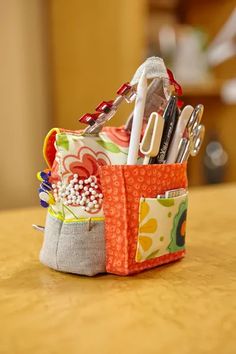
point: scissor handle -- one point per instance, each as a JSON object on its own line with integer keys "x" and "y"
{"x": 195, "y": 118}
{"x": 198, "y": 136}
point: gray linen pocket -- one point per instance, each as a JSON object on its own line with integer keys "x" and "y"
{"x": 72, "y": 248}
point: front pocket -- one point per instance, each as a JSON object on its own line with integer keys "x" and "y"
{"x": 162, "y": 226}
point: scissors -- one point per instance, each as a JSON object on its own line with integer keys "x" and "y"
{"x": 191, "y": 142}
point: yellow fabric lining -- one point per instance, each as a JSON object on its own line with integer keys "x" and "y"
{"x": 60, "y": 217}
{"x": 57, "y": 130}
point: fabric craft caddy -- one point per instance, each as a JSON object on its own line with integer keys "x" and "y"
{"x": 104, "y": 215}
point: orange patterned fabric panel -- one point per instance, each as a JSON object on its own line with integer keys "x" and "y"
{"x": 123, "y": 186}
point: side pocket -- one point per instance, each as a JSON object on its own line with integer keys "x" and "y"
{"x": 73, "y": 248}
{"x": 162, "y": 227}
{"x": 80, "y": 250}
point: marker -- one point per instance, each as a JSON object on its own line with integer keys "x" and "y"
{"x": 170, "y": 117}
{"x": 137, "y": 120}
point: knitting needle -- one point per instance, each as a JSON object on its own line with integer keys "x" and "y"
{"x": 137, "y": 120}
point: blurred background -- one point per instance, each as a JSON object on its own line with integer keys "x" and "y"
{"x": 60, "y": 58}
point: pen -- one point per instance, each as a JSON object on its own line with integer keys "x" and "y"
{"x": 178, "y": 134}
{"x": 137, "y": 120}
{"x": 170, "y": 118}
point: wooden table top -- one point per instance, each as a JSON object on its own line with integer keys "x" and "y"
{"x": 185, "y": 307}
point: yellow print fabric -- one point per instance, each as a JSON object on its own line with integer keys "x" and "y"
{"x": 162, "y": 226}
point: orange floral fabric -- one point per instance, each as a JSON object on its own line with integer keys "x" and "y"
{"x": 122, "y": 187}
{"x": 118, "y": 135}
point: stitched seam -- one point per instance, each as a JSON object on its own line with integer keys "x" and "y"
{"x": 126, "y": 224}
{"x": 56, "y": 253}
{"x": 58, "y": 153}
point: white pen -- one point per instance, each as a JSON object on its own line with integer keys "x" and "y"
{"x": 178, "y": 134}
{"x": 137, "y": 120}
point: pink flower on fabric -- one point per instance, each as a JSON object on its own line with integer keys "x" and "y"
{"x": 85, "y": 164}
{"x": 121, "y": 137}
{"x": 118, "y": 136}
